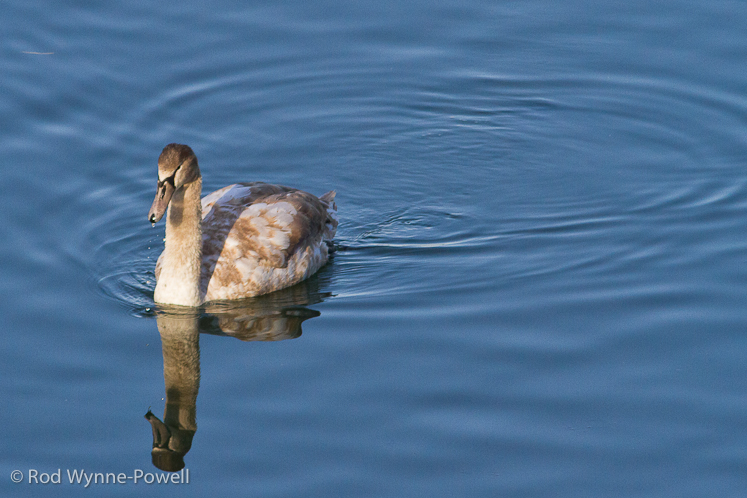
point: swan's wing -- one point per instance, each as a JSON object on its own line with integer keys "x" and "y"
{"x": 259, "y": 237}
{"x": 273, "y": 228}
{"x": 262, "y": 222}
{"x": 234, "y": 198}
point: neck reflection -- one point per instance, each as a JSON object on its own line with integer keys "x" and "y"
{"x": 275, "y": 317}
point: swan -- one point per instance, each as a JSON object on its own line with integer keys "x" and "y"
{"x": 240, "y": 241}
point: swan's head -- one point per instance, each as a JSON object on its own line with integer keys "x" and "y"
{"x": 177, "y": 167}
{"x": 170, "y": 444}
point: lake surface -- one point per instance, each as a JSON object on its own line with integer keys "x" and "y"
{"x": 539, "y": 287}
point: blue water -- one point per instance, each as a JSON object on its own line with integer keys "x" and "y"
{"x": 539, "y": 282}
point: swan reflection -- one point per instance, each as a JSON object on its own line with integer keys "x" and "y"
{"x": 273, "y": 317}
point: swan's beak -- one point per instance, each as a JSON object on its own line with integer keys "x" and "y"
{"x": 161, "y": 433}
{"x": 161, "y": 202}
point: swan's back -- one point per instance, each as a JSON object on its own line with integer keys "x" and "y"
{"x": 257, "y": 238}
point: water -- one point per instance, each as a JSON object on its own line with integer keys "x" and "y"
{"x": 538, "y": 288}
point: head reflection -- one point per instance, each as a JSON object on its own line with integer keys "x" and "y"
{"x": 274, "y": 317}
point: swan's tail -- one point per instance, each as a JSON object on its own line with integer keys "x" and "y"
{"x": 330, "y": 225}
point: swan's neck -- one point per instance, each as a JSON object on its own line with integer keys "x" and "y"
{"x": 179, "y": 281}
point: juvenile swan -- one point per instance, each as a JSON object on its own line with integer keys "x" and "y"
{"x": 243, "y": 240}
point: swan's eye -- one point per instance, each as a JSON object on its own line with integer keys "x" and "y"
{"x": 168, "y": 180}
